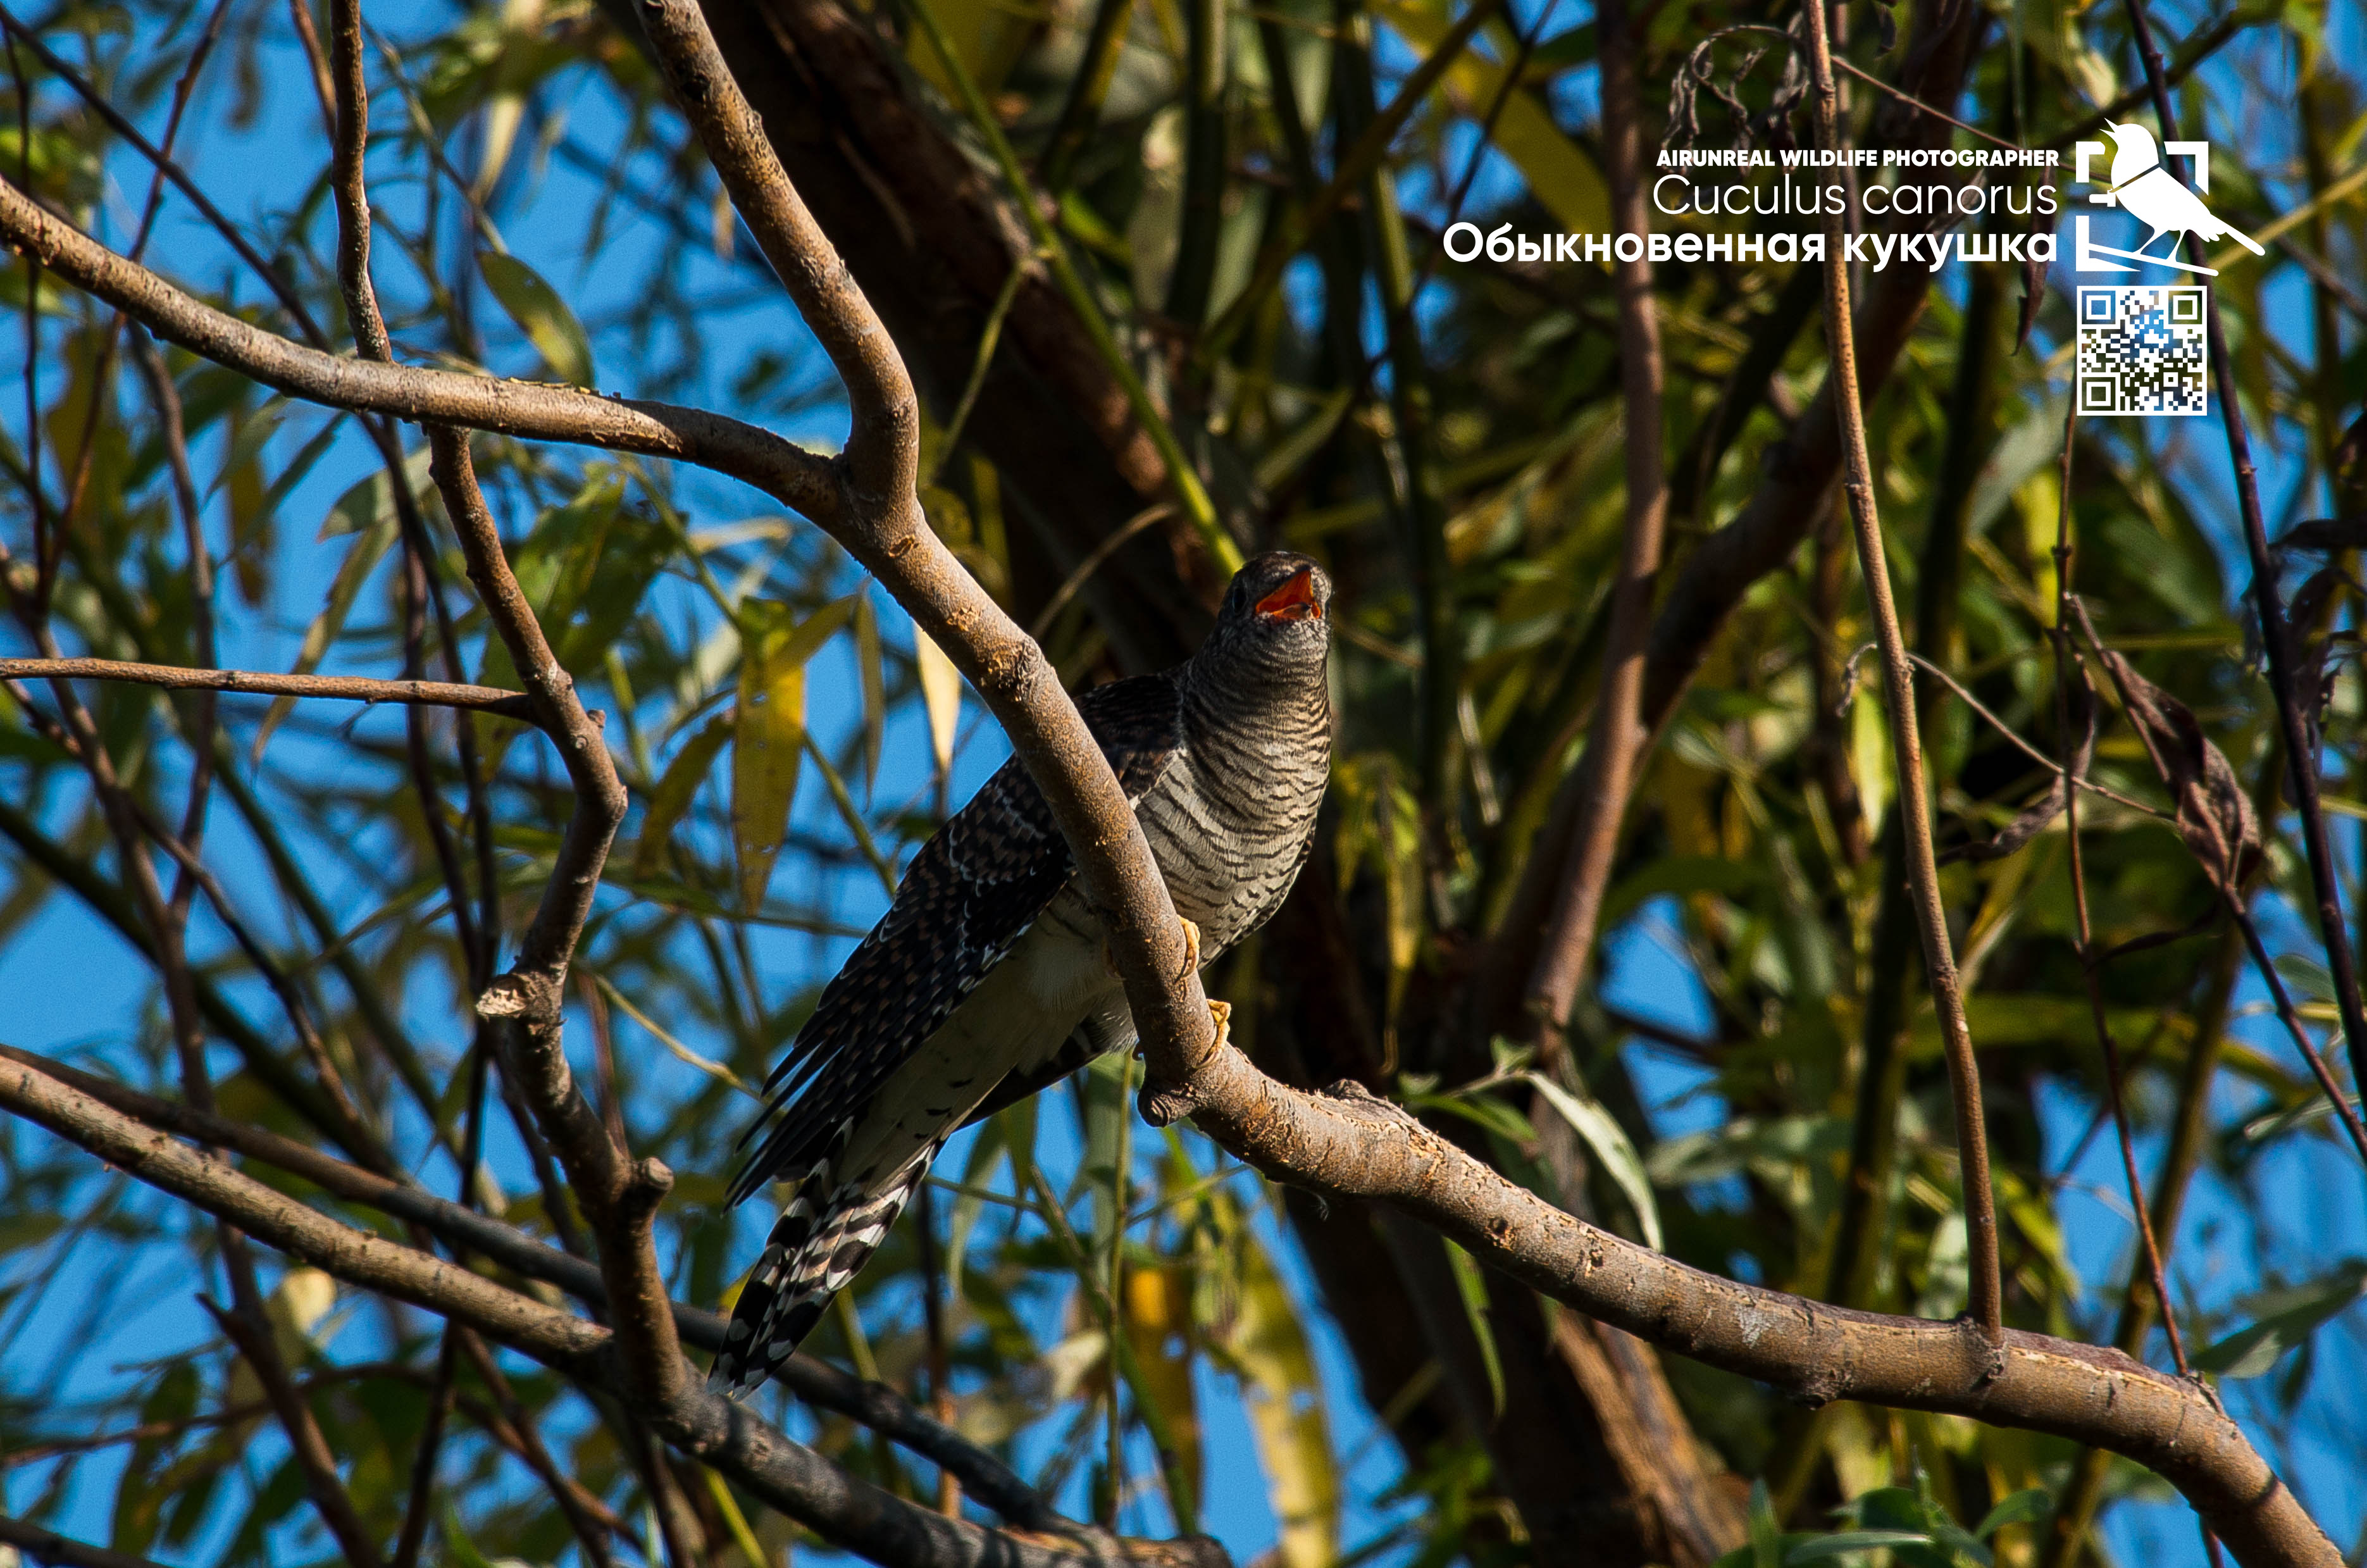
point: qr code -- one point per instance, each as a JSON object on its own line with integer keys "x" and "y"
{"x": 2141, "y": 349}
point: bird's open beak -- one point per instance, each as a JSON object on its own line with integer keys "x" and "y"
{"x": 1294, "y": 600}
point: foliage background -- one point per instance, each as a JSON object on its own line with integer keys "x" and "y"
{"x": 1734, "y": 979}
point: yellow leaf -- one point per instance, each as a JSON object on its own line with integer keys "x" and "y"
{"x": 941, "y": 692}
{"x": 1158, "y": 1328}
{"x": 672, "y": 798}
{"x": 1269, "y": 1348}
{"x": 769, "y": 728}
{"x": 1564, "y": 179}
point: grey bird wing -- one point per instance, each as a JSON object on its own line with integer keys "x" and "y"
{"x": 971, "y": 893}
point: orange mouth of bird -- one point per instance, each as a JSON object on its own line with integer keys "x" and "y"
{"x": 1294, "y": 600}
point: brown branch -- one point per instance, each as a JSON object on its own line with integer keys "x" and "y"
{"x": 262, "y": 683}
{"x": 816, "y": 1382}
{"x": 1343, "y": 1143}
{"x": 619, "y": 1195}
{"x": 249, "y": 1331}
{"x": 792, "y": 476}
{"x": 1899, "y": 677}
{"x": 1617, "y": 744}
{"x": 844, "y": 1510}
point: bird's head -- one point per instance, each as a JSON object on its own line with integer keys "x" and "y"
{"x": 1277, "y": 613}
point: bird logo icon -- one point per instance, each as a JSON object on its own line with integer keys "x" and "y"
{"x": 2153, "y": 195}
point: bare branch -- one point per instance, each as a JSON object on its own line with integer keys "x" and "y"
{"x": 847, "y": 1511}
{"x": 343, "y": 688}
{"x": 815, "y": 1381}
{"x": 791, "y": 475}
{"x": 1620, "y": 735}
{"x": 1898, "y": 675}
{"x": 48, "y": 1546}
{"x": 1343, "y": 1143}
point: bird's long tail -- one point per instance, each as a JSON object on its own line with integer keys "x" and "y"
{"x": 821, "y": 1241}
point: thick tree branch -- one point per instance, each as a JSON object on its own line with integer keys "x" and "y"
{"x": 1345, "y": 1142}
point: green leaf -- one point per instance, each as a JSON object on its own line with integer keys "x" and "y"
{"x": 940, "y": 693}
{"x": 984, "y": 1155}
{"x": 370, "y": 503}
{"x": 1472, "y": 1286}
{"x": 2026, "y": 1507}
{"x": 247, "y": 446}
{"x": 541, "y": 315}
{"x": 463, "y": 1551}
{"x": 1841, "y": 1545}
{"x": 1269, "y": 1349}
{"x": 2283, "y": 1319}
{"x": 1609, "y": 1141}
{"x": 1766, "y": 1531}
{"x": 675, "y": 790}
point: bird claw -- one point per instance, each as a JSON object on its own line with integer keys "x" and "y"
{"x": 1220, "y": 1013}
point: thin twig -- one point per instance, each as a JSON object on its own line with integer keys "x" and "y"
{"x": 2091, "y": 963}
{"x": 1939, "y": 958}
{"x": 343, "y": 688}
{"x": 2015, "y": 738}
{"x": 2276, "y": 633}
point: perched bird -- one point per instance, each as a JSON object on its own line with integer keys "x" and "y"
{"x": 987, "y": 978}
{"x": 2155, "y": 196}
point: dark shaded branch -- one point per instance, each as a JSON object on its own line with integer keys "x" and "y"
{"x": 63, "y": 1551}
{"x": 2276, "y": 633}
{"x": 1617, "y": 744}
